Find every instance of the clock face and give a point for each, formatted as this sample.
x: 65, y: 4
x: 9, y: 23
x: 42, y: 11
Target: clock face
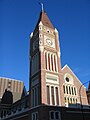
x: 49, y: 42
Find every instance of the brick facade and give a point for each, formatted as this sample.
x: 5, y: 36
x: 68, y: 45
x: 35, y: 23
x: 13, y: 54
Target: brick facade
x: 46, y: 72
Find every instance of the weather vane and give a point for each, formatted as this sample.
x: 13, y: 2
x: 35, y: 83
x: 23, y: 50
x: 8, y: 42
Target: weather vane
x: 42, y: 6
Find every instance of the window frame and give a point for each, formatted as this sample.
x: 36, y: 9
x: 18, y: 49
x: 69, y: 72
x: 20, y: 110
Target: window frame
x: 54, y: 113
x: 34, y: 114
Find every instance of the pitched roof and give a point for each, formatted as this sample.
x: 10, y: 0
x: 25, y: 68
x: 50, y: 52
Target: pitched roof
x: 45, y: 20
x: 66, y: 66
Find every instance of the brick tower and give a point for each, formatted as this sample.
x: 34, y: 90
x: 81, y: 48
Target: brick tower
x: 45, y: 65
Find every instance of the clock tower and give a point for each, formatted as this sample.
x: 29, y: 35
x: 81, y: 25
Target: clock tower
x: 45, y: 64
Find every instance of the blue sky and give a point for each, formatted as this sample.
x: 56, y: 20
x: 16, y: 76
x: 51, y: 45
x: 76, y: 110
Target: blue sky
x: 18, y: 19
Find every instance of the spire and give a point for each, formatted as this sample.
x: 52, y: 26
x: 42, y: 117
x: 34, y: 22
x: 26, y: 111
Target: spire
x: 44, y: 18
x: 42, y: 6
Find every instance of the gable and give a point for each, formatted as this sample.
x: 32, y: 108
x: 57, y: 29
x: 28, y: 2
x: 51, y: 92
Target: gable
x: 67, y: 72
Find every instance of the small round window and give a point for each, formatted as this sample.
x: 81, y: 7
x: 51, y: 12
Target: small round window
x: 67, y: 79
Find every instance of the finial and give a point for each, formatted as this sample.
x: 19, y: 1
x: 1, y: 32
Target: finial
x: 42, y: 6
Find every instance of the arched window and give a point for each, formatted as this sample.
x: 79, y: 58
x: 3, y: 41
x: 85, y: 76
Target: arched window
x: 52, y: 115
x: 48, y: 95
x: 52, y: 62
x: 57, y: 97
x: 65, y: 99
x: 67, y: 89
x: 52, y: 94
x: 74, y: 90
x: 46, y: 60
x: 35, y: 64
x: 55, y: 63
x: 76, y: 100
x: 73, y: 100
x: 70, y: 100
x: 64, y: 88
x: 35, y: 97
x: 49, y: 61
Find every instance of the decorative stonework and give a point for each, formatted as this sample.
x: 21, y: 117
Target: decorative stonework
x: 59, y: 54
x: 40, y: 42
x: 50, y: 78
x: 68, y: 78
x: 40, y: 24
x: 41, y: 48
x: 31, y: 35
x: 49, y: 42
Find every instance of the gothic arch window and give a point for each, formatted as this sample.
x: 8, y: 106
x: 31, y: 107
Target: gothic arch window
x: 72, y: 91
x: 67, y: 89
x: 5, y: 112
x: 52, y: 94
x: 35, y: 64
x: 57, y: 115
x: 35, y: 116
x: 2, y: 113
x: 54, y: 115
x: 52, y: 62
x: 57, y: 96
x: 76, y: 100
x: 70, y: 100
x: 35, y: 97
x: 55, y: 63
x: 69, y: 92
x: 73, y: 100
x: 46, y: 60
x: 49, y: 61
x: 75, y: 90
x: 48, y: 95
x: 64, y: 88
x: 65, y: 99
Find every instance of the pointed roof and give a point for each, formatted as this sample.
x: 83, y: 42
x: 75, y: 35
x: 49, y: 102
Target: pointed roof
x: 45, y: 20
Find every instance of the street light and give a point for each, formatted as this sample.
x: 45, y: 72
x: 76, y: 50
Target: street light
x: 81, y: 99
